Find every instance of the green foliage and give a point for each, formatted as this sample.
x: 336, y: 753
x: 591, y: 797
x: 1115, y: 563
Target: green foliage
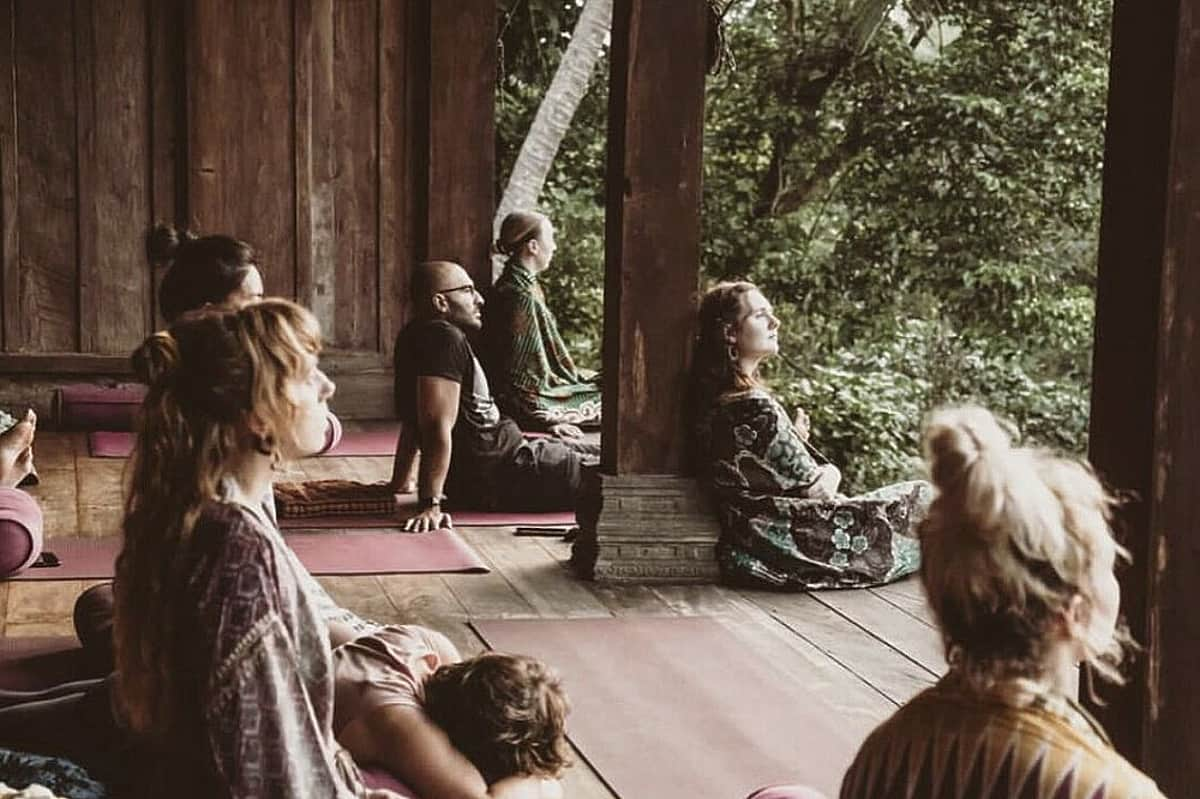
x: 920, y: 204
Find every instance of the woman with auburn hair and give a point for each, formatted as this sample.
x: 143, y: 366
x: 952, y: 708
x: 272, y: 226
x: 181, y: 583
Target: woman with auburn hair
x: 537, y: 383
x: 1017, y: 563
x: 783, y: 523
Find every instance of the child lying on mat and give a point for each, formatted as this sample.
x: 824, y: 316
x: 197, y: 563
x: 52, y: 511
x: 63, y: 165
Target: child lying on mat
x: 492, y: 724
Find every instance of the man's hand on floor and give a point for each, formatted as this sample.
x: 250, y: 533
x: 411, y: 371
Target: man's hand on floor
x: 428, y: 519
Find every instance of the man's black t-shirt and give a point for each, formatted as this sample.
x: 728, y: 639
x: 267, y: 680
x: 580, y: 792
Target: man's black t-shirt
x: 482, y: 437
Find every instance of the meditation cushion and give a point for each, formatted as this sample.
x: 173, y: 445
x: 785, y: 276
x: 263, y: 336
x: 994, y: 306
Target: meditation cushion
x: 20, y: 531
x: 88, y: 407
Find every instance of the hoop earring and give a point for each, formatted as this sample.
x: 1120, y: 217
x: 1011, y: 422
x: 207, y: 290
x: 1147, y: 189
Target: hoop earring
x: 731, y: 351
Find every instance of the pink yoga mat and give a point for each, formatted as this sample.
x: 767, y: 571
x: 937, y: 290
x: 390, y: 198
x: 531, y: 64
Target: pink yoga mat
x: 461, y: 518
x: 680, y: 707
x: 37, y: 663
x: 349, y: 552
x: 356, y: 443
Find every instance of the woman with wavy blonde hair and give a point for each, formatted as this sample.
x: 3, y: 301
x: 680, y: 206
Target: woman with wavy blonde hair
x: 224, y: 671
x: 1017, y: 563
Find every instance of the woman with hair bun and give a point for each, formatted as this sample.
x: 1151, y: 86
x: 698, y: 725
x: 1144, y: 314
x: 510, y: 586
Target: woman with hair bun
x: 1017, y: 563
x: 783, y: 523
x: 202, y: 270
x: 537, y: 383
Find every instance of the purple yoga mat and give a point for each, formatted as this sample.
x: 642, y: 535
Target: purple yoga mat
x: 349, y: 552
x: 682, y: 707
x: 356, y: 443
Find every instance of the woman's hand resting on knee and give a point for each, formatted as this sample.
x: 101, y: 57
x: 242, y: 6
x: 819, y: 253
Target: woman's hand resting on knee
x: 827, y: 484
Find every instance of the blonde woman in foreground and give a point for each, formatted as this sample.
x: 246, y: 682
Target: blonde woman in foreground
x: 1017, y: 561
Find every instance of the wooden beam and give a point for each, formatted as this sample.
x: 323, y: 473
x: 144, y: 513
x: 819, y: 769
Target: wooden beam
x: 334, y: 362
x: 461, y: 124
x: 1146, y: 384
x: 652, y: 235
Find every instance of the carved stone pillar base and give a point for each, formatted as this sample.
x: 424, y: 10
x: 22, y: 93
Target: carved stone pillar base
x: 646, y: 529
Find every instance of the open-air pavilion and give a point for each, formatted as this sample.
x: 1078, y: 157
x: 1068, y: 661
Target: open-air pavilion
x: 350, y: 140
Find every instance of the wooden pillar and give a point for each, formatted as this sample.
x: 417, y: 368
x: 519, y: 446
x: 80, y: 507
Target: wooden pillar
x: 1146, y: 388
x: 453, y: 48
x: 651, y: 524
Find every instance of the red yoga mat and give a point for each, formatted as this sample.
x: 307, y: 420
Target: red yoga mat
x: 349, y: 552
x: 356, y: 443
x: 680, y: 707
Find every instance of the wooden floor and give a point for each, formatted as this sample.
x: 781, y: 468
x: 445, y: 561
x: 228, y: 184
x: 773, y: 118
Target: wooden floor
x: 863, y: 652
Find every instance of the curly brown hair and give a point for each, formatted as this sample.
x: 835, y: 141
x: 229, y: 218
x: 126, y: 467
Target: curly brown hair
x: 506, y: 713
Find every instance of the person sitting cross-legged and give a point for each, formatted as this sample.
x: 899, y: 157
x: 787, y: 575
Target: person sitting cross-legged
x: 468, y: 449
x: 537, y: 382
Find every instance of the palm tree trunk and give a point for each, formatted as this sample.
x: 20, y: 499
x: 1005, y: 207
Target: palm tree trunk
x: 569, y: 85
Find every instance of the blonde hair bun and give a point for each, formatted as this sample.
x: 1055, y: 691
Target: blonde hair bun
x: 956, y: 438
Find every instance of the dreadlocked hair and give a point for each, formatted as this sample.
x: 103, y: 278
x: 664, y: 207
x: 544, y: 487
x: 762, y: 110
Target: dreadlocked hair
x: 206, y: 375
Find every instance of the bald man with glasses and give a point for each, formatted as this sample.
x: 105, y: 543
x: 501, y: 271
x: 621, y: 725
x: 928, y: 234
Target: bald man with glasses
x: 471, y: 455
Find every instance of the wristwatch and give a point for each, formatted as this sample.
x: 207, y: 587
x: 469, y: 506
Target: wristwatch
x: 425, y: 503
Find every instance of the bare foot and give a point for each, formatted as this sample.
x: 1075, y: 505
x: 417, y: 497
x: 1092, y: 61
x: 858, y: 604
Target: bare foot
x: 16, y: 451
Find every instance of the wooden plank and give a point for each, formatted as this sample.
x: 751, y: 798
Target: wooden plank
x: 42, y: 602
x: 537, y: 576
x: 112, y: 102
x: 100, y: 484
x: 168, y: 116
x: 354, y: 155
x: 426, y: 600
x: 400, y: 191
x: 313, y: 21
x: 491, y: 595
x: 890, y: 625
x: 334, y: 362
x: 870, y: 660
x: 912, y: 603
x: 462, y: 98
x: 47, y: 201
x: 362, y: 594
x: 240, y: 130
x: 10, y: 255
x: 652, y: 230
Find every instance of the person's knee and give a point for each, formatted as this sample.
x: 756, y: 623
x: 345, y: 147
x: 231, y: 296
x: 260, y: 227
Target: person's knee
x: 94, y: 625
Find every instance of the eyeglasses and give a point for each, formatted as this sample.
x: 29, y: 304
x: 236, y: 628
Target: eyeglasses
x: 465, y: 287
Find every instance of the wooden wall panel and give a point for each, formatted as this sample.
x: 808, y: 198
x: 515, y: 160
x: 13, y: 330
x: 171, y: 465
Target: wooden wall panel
x: 168, y: 118
x: 356, y: 174
x: 46, y: 204
x: 10, y: 254
x: 241, y: 166
x: 112, y: 132
x: 398, y: 136
x: 462, y: 92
